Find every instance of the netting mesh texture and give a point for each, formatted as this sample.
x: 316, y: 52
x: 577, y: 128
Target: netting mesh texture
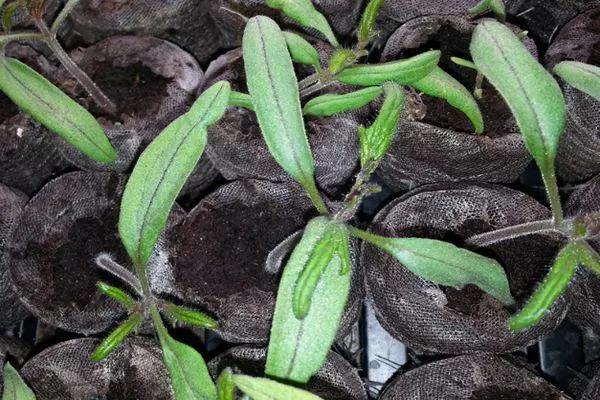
x: 471, y: 377
x: 12, y: 204
x: 431, y: 318
x: 61, y: 231
x: 336, y: 380
x: 578, y: 157
x: 65, y: 371
x: 435, y: 142
x: 220, y: 251
x: 151, y: 81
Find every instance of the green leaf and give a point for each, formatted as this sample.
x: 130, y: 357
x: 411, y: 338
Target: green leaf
x: 117, y: 337
x: 402, y: 71
x: 440, y: 84
x: 162, y: 170
x: 55, y: 110
x: 341, y: 59
x: 367, y: 22
x: 305, y: 13
x: 14, y: 386
x: 119, y: 295
x: 331, y: 104
x: 582, y: 76
x: 225, y: 385
x: 444, y: 263
x: 299, y: 347
x: 553, y: 286
x: 266, y: 389
x: 496, y: 6
x: 273, y: 86
x: 376, y: 140
x: 190, y: 378
x: 301, y: 50
x: 532, y: 94
x: 188, y: 316
x: 237, y: 99
x: 7, y: 14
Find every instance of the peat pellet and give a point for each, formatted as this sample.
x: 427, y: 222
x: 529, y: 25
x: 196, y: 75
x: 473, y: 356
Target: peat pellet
x: 185, y: 22
x: 221, y: 248
x: 436, y: 142
x: 230, y: 16
x: 65, y: 371
x: 336, y: 380
x: 471, y: 377
x: 585, y: 304
x: 151, y: 81
x: 579, y: 150
x: 61, y: 231
x: 11, y: 206
x: 432, y: 318
x: 238, y: 150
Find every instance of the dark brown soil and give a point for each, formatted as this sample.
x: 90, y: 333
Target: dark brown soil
x: 7, y: 108
x: 136, y: 90
x: 107, y: 6
x: 222, y: 249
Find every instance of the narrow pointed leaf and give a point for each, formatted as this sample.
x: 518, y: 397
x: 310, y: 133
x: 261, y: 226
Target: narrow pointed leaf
x: 376, y: 139
x: 162, y: 170
x: 440, y: 84
x: 367, y: 22
x: 532, y: 94
x: 117, y: 337
x: 299, y: 347
x: 189, y: 316
x: 402, y: 71
x: 14, y: 386
x: 190, y: 378
x: 444, y: 263
x: 301, y: 50
x: 273, y: 86
x: 226, y: 386
x: 237, y: 99
x: 496, y: 6
x: 551, y: 288
x: 582, y: 76
x: 341, y: 59
x: 266, y: 389
x: 55, y: 110
x: 7, y: 14
x: 305, y: 13
x: 119, y: 295
x: 331, y: 104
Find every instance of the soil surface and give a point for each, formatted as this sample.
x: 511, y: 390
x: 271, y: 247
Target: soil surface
x: 7, y: 108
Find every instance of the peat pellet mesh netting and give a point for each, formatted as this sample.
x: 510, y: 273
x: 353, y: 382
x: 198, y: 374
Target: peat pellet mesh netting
x: 336, y: 380
x: 432, y: 318
x: 472, y: 377
x: 248, y: 218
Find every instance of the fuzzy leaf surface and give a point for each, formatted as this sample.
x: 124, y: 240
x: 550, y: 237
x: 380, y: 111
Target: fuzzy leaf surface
x: 273, y: 86
x: 402, y: 71
x: 441, y: 84
x: 163, y: 169
x: 445, y: 264
x: 14, y: 386
x: 298, y: 347
x: 267, y: 389
x: 582, y: 76
x: 330, y: 104
x: 301, y: 50
x: 531, y: 93
x: 48, y: 105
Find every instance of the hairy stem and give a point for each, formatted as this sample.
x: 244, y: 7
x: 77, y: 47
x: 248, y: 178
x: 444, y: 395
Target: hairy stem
x: 316, y: 198
x: 549, y: 178
x: 105, y: 262
x: 512, y: 232
x: 314, y: 88
x: 308, y: 81
x: 97, y: 95
x: 361, y: 189
x: 62, y: 16
x: 9, y: 37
